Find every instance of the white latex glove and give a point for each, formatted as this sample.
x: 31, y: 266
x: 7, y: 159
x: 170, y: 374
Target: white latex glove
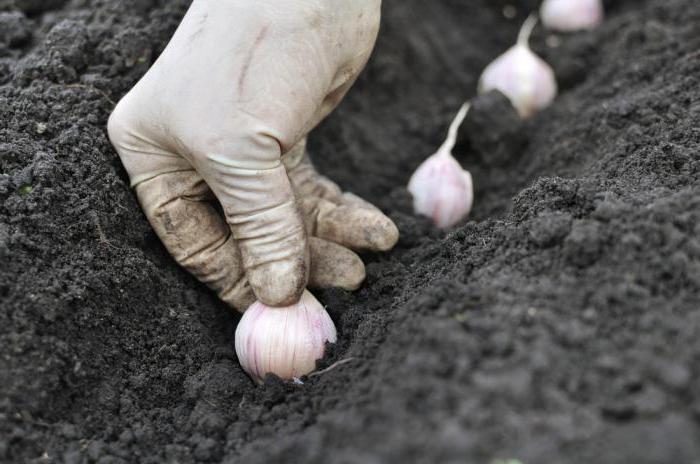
x: 233, y: 95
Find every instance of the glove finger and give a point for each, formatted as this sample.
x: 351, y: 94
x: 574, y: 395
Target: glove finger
x: 179, y: 207
x: 343, y: 218
x: 261, y: 210
x: 355, y: 226
x: 333, y: 265
x: 307, y: 182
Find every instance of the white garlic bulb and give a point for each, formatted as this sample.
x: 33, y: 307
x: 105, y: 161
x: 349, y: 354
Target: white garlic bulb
x: 285, y: 341
x: 571, y: 15
x: 521, y: 75
x: 441, y: 189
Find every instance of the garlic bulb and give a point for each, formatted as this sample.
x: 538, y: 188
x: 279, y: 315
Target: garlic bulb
x: 571, y: 15
x: 441, y: 189
x: 522, y: 76
x: 283, y: 341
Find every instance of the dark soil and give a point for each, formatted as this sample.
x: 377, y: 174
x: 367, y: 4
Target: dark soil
x: 560, y: 325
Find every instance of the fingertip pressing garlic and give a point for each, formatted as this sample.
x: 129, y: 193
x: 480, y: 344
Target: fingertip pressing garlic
x: 441, y: 189
x: 285, y: 341
x: 525, y: 78
x: 571, y: 15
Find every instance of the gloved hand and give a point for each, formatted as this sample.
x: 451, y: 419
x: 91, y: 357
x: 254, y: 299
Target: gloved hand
x: 222, y: 116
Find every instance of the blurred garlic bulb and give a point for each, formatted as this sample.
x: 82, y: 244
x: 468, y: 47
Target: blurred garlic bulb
x: 283, y: 341
x: 571, y: 15
x: 441, y: 189
x: 521, y: 75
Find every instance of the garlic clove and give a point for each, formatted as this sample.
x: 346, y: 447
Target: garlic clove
x: 441, y: 189
x: 571, y: 15
x: 522, y: 76
x: 285, y: 341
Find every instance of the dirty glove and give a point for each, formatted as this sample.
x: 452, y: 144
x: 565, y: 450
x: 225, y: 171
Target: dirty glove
x: 233, y: 96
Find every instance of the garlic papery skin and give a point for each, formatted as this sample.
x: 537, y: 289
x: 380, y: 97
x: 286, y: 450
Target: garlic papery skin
x: 441, y: 189
x: 571, y: 15
x: 285, y: 341
x: 522, y: 76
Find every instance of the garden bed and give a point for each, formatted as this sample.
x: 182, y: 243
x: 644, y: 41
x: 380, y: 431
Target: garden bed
x: 561, y: 324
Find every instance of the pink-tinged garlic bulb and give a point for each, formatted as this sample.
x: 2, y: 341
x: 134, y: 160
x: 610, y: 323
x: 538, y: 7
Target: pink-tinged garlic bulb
x: 441, y: 189
x: 286, y: 341
x: 571, y: 15
x: 523, y: 77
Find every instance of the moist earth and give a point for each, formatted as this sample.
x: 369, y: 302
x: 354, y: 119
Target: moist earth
x: 559, y: 324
